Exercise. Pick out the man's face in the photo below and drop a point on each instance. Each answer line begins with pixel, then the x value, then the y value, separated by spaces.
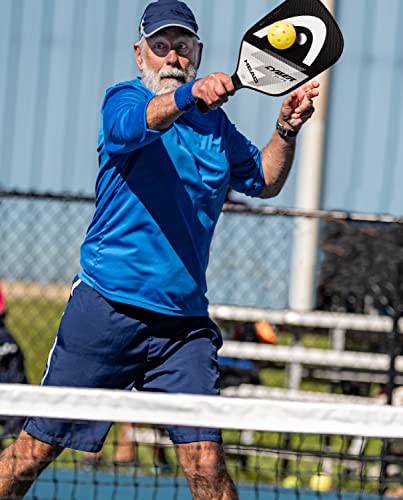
pixel 168 59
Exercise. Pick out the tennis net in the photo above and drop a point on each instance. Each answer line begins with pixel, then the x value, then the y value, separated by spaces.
pixel 274 449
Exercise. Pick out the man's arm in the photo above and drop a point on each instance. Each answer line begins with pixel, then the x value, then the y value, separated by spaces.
pixel 214 90
pixel 278 155
pixel 162 112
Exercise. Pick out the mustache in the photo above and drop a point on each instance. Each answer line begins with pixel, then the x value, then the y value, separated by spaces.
pixel 172 73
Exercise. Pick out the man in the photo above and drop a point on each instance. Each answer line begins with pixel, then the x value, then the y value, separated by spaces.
pixel 137 315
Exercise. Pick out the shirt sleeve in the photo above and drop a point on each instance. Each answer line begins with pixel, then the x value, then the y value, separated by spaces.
pixel 124 120
pixel 245 159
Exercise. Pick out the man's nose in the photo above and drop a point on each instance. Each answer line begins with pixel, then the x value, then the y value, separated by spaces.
pixel 172 57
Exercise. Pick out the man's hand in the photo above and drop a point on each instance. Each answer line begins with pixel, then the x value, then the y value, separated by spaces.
pixel 298 107
pixel 214 89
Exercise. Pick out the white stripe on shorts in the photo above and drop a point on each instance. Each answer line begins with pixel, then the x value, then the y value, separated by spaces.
pixel 74 286
pixel 49 360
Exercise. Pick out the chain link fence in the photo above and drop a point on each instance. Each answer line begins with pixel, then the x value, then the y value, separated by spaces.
pixel 358 270
pixel 251 259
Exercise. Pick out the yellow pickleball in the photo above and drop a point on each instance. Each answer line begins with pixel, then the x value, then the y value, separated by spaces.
pixel 290 482
pixel 282 35
pixel 320 482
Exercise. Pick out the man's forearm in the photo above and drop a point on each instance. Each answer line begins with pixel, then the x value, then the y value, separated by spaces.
pixel 162 112
pixel 214 90
pixel 277 160
pixel 278 155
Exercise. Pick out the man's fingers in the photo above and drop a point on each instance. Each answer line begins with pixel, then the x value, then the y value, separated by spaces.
pixel 298 120
pixel 307 93
pixel 214 90
pixel 221 91
pixel 229 87
pixel 305 106
pixel 227 83
pixel 297 116
pixel 310 86
pixel 306 101
pixel 312 94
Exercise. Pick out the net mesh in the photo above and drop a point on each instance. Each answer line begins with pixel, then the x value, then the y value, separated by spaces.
pixel 273 449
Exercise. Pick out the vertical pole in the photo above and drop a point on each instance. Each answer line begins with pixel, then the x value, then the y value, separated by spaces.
pixel 309 184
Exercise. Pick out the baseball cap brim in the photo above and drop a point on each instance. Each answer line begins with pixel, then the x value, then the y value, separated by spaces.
pixel 154 29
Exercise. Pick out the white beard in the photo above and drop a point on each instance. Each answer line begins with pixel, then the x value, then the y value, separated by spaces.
pixel 158 83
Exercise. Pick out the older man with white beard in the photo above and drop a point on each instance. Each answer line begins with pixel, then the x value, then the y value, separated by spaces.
pixel 137 316
pixel 165 80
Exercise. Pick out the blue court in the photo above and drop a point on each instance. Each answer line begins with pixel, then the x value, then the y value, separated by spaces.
pixel 59 484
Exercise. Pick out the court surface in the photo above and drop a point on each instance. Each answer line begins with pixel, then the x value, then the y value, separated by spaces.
pixel 60 484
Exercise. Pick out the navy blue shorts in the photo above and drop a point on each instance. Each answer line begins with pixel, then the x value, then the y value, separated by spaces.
pixel 105 344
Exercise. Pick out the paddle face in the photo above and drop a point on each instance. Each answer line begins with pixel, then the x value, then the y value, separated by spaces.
pixel 276 72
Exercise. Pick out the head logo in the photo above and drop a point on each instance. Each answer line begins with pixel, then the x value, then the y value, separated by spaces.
pixel 315 25
pixel 250 69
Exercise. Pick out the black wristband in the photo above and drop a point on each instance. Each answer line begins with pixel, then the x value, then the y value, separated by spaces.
pixel 285 132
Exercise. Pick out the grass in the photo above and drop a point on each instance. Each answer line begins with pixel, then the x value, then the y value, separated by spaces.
pixel 34 323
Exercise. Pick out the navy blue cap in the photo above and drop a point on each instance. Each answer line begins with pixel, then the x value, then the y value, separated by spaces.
pixel 165 14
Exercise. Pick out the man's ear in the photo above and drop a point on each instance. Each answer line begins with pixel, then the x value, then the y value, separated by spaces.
pixel 199 57
pixel 138 56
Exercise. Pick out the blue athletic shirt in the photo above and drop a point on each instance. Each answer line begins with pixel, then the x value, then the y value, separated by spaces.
pixel 158 198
